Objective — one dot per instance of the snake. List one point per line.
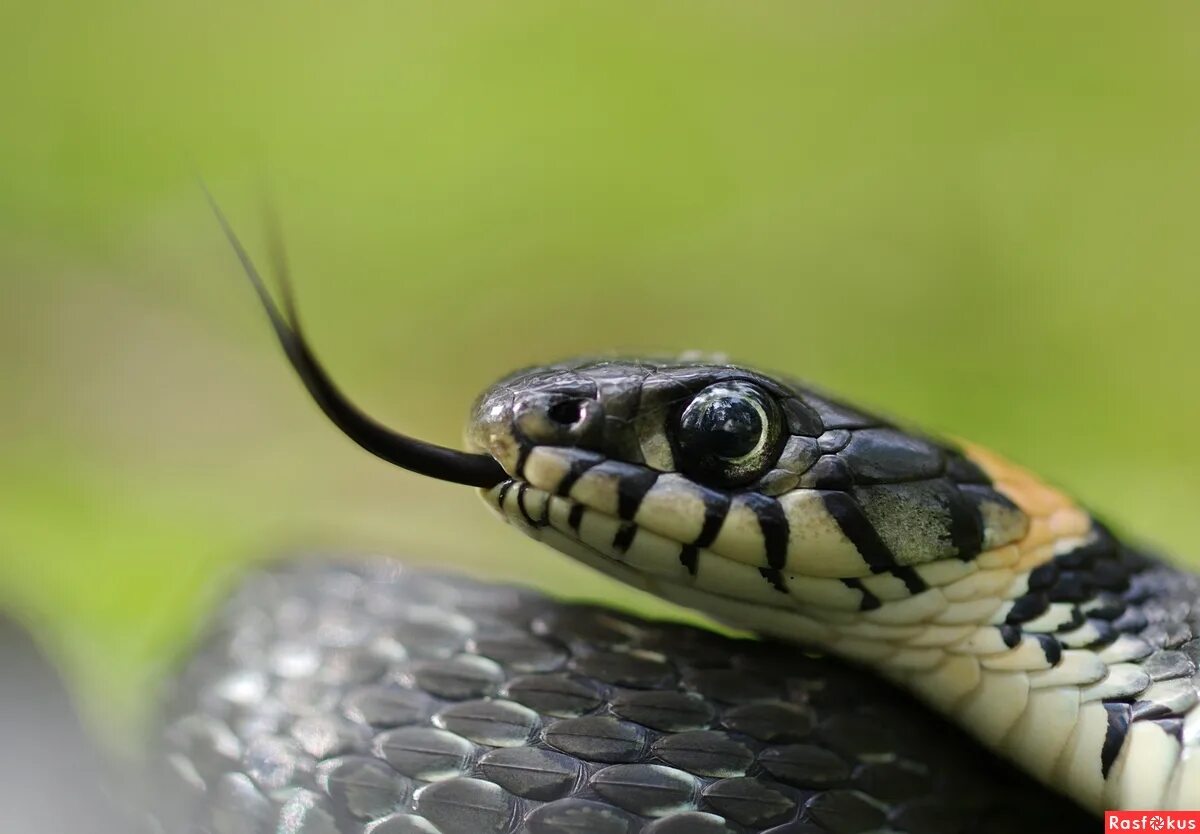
(955, 623)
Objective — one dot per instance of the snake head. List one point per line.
(746, 494)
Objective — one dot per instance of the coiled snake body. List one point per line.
(989, 596)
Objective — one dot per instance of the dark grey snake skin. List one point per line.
(363, 698)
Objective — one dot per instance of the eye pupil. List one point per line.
(729, 426)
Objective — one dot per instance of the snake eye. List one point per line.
(728, 435)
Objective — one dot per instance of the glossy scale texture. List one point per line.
(367, 698)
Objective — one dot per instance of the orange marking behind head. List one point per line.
(1053, 515)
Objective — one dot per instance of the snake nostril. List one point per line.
(566, 413)
(558, 419)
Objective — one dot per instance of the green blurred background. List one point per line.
(979, 216)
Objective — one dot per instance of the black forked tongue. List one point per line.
(407, 452)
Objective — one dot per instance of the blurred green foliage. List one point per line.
(978, 216)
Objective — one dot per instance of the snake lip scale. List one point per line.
(992, 597)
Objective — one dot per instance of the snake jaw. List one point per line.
(586, 506)
(647, 561)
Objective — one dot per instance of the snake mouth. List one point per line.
(608, 537)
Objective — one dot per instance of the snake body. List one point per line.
(988, 595)
(365, 697)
